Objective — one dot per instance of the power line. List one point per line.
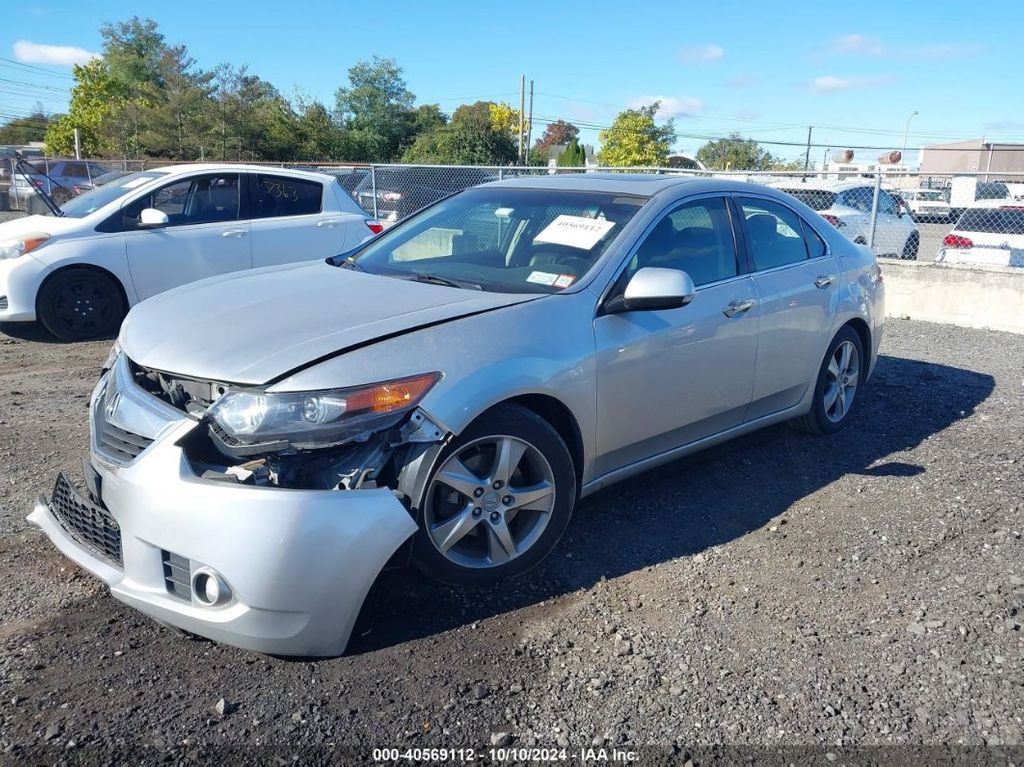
(22, 64)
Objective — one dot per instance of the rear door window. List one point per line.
(775, 233)
(277, 196)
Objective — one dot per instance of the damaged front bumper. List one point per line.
(292, 566)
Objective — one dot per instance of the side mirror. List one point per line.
(151, 217)
(653, 288)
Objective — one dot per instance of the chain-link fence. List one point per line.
(957, 218)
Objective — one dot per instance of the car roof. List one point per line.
(641, 184)
(209, 167)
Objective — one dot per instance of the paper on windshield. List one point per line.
(575, 231)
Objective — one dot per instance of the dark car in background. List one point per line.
(403, 191)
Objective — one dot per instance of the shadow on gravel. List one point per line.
(698, 502)
(29, 331)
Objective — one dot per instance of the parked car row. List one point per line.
(264, 443)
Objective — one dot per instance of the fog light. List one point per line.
(208, 588)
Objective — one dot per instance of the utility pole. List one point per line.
(522, 116)
(78, 145)
(807, 157)
(529, 127)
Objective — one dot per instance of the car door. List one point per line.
(205, 233)
(795, 278)
(669, 377)
(292, 220)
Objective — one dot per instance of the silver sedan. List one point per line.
(264, 444)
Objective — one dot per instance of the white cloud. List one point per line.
(54, 55)
(858, 45)
(702, 53)
(671, 106)
(832, 84)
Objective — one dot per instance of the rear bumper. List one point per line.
(298, 563)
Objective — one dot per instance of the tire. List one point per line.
(911, 246)
(80, 303)
(462, 524)
(826, 418)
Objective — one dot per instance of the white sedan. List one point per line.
(78, 273)
(848, 205)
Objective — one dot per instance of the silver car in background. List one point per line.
(263, 444)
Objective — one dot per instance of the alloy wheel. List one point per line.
(489, 502)
(841, 385)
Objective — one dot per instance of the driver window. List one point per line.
(696, 238)
(202, 200)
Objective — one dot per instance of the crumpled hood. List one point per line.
(254, 327)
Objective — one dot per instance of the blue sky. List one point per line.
(767, 69)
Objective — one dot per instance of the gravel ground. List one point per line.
(783, 590)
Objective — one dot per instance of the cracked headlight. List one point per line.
(22, 245)
(253, 421)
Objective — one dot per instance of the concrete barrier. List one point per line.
(973, 296)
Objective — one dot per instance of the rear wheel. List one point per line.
(839, 380)
(79, 303)
(498, 500)
(910, 249)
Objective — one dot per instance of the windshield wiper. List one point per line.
(433, 279)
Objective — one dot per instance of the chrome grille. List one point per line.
(118, 443)
(177, 575)
(3, 303)
(88, 523)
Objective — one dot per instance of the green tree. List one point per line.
(573, 156)
(178, 117)
(22, 130)
(320, 137)
(133, 51)
(634, 139)
(735, 153)
(375, 109)
(469, 139)
(95, 99)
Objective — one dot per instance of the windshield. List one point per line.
(503, 240)
(93, 200)
(815, 199)
(991, 190)
(930, 196)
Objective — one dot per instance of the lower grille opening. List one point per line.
(88, 523)
(177, 575)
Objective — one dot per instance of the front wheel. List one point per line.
(79, 303)
(498, 499)
(838, 384)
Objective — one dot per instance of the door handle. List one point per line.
(233, 233)
(329, 223)
(739, 307)
(824, 280)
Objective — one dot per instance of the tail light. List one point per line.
(834, 220)
(957, 241)
(375, 226)
(391, 196)
(37, 182)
